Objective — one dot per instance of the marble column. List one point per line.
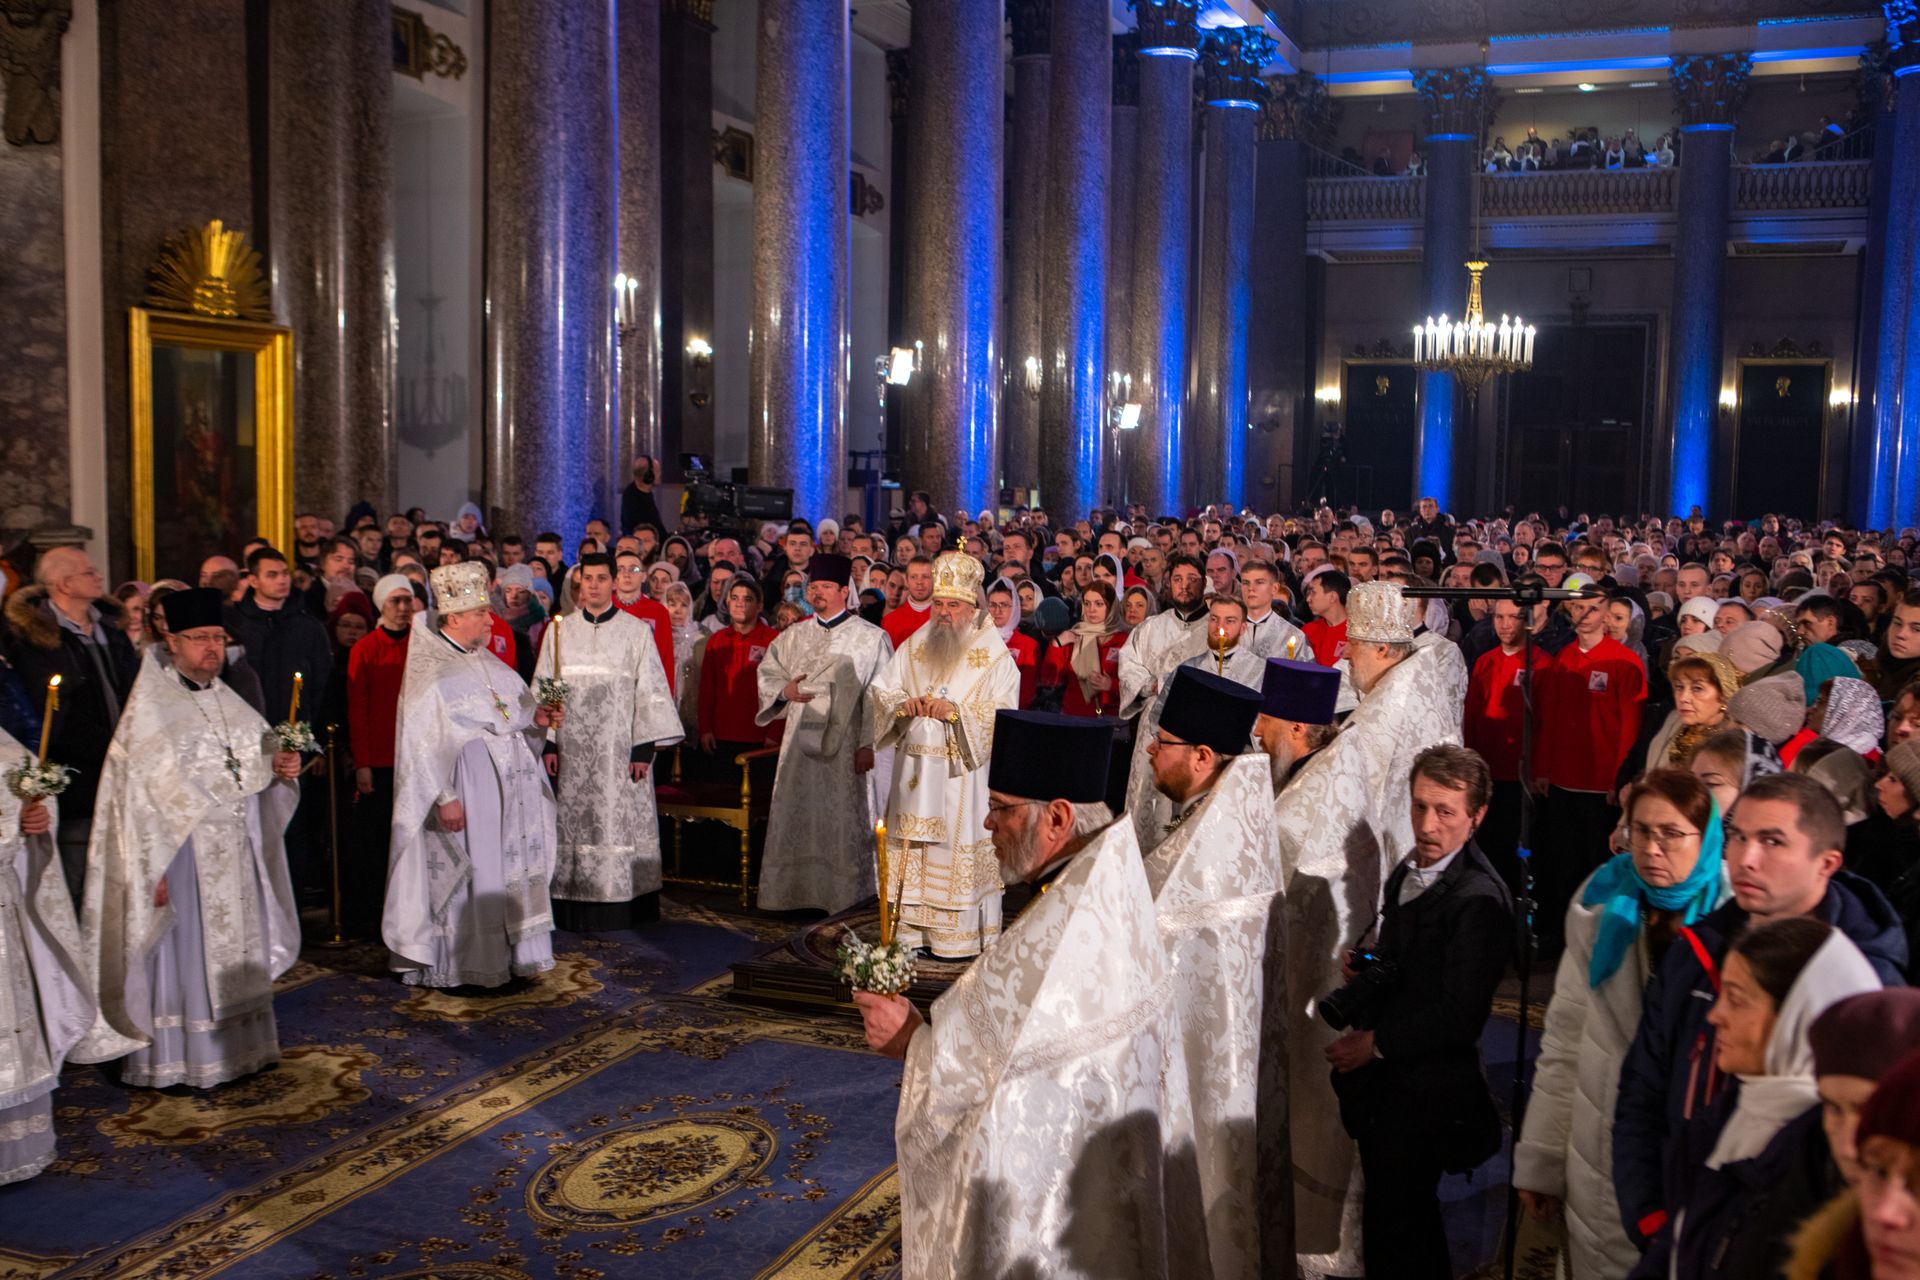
(797, 342)
(1026, 200)
(1230, 62)
(900, 148)
(1457, 104)
(952, 406)
(1120, 217)
(1708, 88)
(1868, 474)
(1887, 426)
(686, 224)
(1298, 111)
(637, 85)
(329, 243)
(1073, 320)
(1162, 247)
(552, 166)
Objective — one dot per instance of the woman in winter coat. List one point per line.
(1617, 928)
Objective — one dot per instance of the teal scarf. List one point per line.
(1617, 885)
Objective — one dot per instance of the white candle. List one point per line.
(1416, 343)
(1528, 358)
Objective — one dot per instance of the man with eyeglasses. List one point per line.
(630, 596)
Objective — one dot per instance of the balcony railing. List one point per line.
(1366, 199)
(1560, 192)
(1803, 184)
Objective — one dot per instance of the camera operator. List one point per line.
(1407, 1070)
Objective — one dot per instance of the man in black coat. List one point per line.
(68, 626)
(637, 504)
(1412, 1090)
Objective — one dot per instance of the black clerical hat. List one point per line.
(1209, 710)
(193, 608)
(1038, 755)
(1303, 692)
(828, 567)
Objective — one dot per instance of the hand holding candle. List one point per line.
(46, 719)
(34, 780)
(293, 712)
(880, 842)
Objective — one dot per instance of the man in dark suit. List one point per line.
(1412, 1090)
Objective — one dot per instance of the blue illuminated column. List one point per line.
(1026, 185)
(1457, 103)
(1073, 306)
(1230, 61)
(1708, 89)
(1162, 244)
(1120, 214)
(1886, 472)
(951, 425)
(797, 343)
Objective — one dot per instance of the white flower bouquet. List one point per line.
(38, 779)
(552, 691)
(295, 735)
(884, 968)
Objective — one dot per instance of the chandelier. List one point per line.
(1473, 349)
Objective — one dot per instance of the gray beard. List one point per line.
(943, 648)
(1281, 764)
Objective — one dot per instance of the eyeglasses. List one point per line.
(994, 806)
(1665, 837)
(1162, 741)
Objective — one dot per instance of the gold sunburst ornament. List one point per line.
(210, 271)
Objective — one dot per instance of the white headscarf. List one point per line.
(1013, 623)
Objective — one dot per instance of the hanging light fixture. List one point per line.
(1473, 349)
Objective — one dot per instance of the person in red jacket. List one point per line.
(901, 623)
(1004, 607)
(1325, 592)
(1086, 658)
(729, 679)
(630, 596)
(1589, 707)
(1491, 725)
(375, 668)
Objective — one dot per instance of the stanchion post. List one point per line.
(333, 833)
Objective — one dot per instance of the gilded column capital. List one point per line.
(30, 32)
(1297, 108)
(899, 81)
(1231, 59)
(1903, 34)
(1126, 69)
(1457, 101)
(698, 10)
(1708, 88)
(1873, 80)
(1032, 27)
(1167, 24)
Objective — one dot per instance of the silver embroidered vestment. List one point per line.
(1151, 811)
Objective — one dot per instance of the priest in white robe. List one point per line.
(1343, 823)
(1225, 631)
(1162, 641)
(620, 711)
(1215, 882)
(189, 914)
(1043, 1126)
(1270, 633)
(46, 1000)
(1297, 715)
(472, 847)
(820, 850)
(935, 703)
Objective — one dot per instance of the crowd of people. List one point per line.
(1677, 765)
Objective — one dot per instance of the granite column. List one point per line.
(686, 223)
(1709, 88)
(1073, 322)
(1162, 245)
(797, 340)
(329, 243)
(1121, 158)
(955, 115)
(900, 152)
(1230, 61)
(1887, 427)
(637, 40)
(1457, 105)
(1026, 212)
(552, 165)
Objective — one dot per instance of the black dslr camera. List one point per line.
(1356, 1003)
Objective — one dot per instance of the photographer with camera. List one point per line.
(1407, 1070)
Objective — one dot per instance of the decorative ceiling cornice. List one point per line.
(1708, 88)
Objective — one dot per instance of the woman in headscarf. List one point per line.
(1729, 760)
(1003, 606)
(1627, 624)
(688, 645)
(1846, 710)
(466, 526)
(1703, 685)
(351, 618)
(1618, 927)
(1137, 607)
(1740, 1175)
(1819, 663)
(1108, 569)
(1085, 659)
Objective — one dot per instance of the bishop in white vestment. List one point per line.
(606, 872)
(1343, 823)
(188, 913)
(1043, 1126)
(473, 818)
(820, 850)
(935, 703)
(1216, 885)
(46, 1000)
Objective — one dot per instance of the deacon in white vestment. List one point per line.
(46, 1000)
(934, 703)
(1270, 633)
(1343, 823)
(1226, 619)
(820, 850)
(1215, 882)
(188, 913)
(1043, 1126)
(1160, 643)
(606, 872)
(473, 818)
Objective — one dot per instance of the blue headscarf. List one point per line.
(1819, 663)
(1617, 885)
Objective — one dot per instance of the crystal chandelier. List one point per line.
(1473, 349)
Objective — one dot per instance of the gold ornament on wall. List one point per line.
(1782, 385)
(210, 271)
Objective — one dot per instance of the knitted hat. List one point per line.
(1903, 762)
(1698, 642)
(1701, 609)
(1752, 645)
(1865, 1035)
(1722, 671)
(1894, 1109)
(398, 582)
(1774, 707)
(1377, 614)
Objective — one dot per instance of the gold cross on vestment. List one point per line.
(977, 658)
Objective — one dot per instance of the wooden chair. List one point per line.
(738, 805)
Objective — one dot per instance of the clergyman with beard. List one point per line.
(1296, 715)
(934, 702)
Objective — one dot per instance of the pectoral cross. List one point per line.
(233, 765)
(500, 705)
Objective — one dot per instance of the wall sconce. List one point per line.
(1032, 383)
(1128, 417)
(1327, 395)
(1729, 399)
(1840, 397)
(626, 305)
(700, 352)
(902, 363)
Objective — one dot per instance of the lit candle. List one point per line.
(293, 712)
(1417, 334)
(556, 646)
(1528, 358)
(886, 920)
(46, 720)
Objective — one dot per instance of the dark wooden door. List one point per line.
(1575, 420)
(1783, 406)
(1381, 428)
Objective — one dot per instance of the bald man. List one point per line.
(222, 573)
(67, 625)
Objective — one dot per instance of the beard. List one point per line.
(947, 641)
(1019, 856)
(1280, 761)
